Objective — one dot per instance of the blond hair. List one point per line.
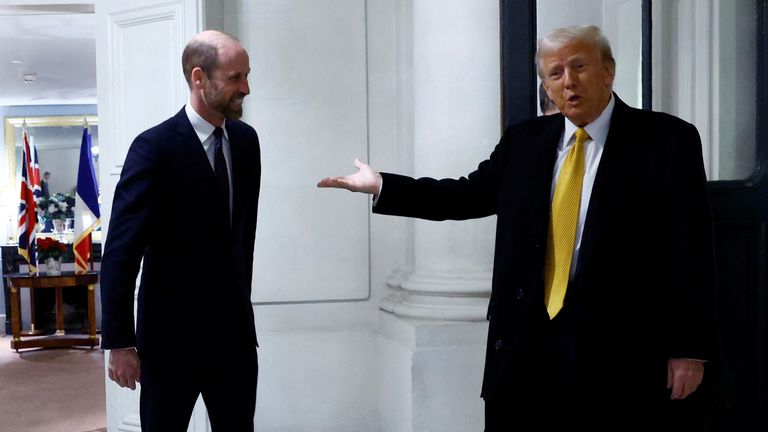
(558, 38)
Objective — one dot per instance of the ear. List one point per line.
(608, 76)
(545, 84)
(196, 77)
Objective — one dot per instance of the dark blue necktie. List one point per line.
(220, 167)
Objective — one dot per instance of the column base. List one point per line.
(437, 308)
(437, 296)
(430, 374)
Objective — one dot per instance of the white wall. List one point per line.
(309, 104)
(316, 380)
(322, 94)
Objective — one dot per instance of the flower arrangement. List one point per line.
(50, 248)
(58, 206)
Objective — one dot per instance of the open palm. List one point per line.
(366, 180)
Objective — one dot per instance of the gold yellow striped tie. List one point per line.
(562, 225)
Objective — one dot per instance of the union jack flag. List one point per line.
(30, 194)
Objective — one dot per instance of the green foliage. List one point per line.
(58, 206)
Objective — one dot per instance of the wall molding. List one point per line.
(119, 24)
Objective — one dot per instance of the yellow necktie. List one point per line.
(562, 225)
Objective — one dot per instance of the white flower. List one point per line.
(52, 208)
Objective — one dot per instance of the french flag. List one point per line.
(87, 214)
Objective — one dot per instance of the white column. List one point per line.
(448, 101)
(452, 112)
(430, 375)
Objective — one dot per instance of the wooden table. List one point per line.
(16, 281)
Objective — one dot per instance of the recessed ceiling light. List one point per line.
(15, 61)
(29, 78)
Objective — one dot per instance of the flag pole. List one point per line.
(90, 236)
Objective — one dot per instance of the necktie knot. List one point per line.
(581, 136)
(217, 134)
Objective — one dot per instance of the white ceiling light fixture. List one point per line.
(29, 78)
(46, 9)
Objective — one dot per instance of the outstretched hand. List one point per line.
(366, 180)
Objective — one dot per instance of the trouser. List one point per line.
(171, 384)
(562, 392)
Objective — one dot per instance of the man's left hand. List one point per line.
(684, 376)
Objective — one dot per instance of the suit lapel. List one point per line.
(201, 177)
(237, 158)
(191, 146)
(544, 165)
(606, 190)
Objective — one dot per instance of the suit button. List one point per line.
(520, 294)
(499, 344)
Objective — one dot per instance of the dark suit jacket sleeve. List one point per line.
(132, 208)
(252, 211)
(473, 196)
(691, 318)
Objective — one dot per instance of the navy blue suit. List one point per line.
(643, 287)
(194, 300)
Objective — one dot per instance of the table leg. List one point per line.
(32, 331)
(31, 311)
(59, 312)
(92, 314)
(15, 315)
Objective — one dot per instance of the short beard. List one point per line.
(215, 101)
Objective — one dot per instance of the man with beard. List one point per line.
(196, 242)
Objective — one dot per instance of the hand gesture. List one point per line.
(366, 180)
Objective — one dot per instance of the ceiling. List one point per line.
(54, 42)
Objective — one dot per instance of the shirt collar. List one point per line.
(597, 130)
(202, 128)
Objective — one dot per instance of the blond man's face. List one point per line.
(577, 81)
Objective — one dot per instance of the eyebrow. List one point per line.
(235, 73)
